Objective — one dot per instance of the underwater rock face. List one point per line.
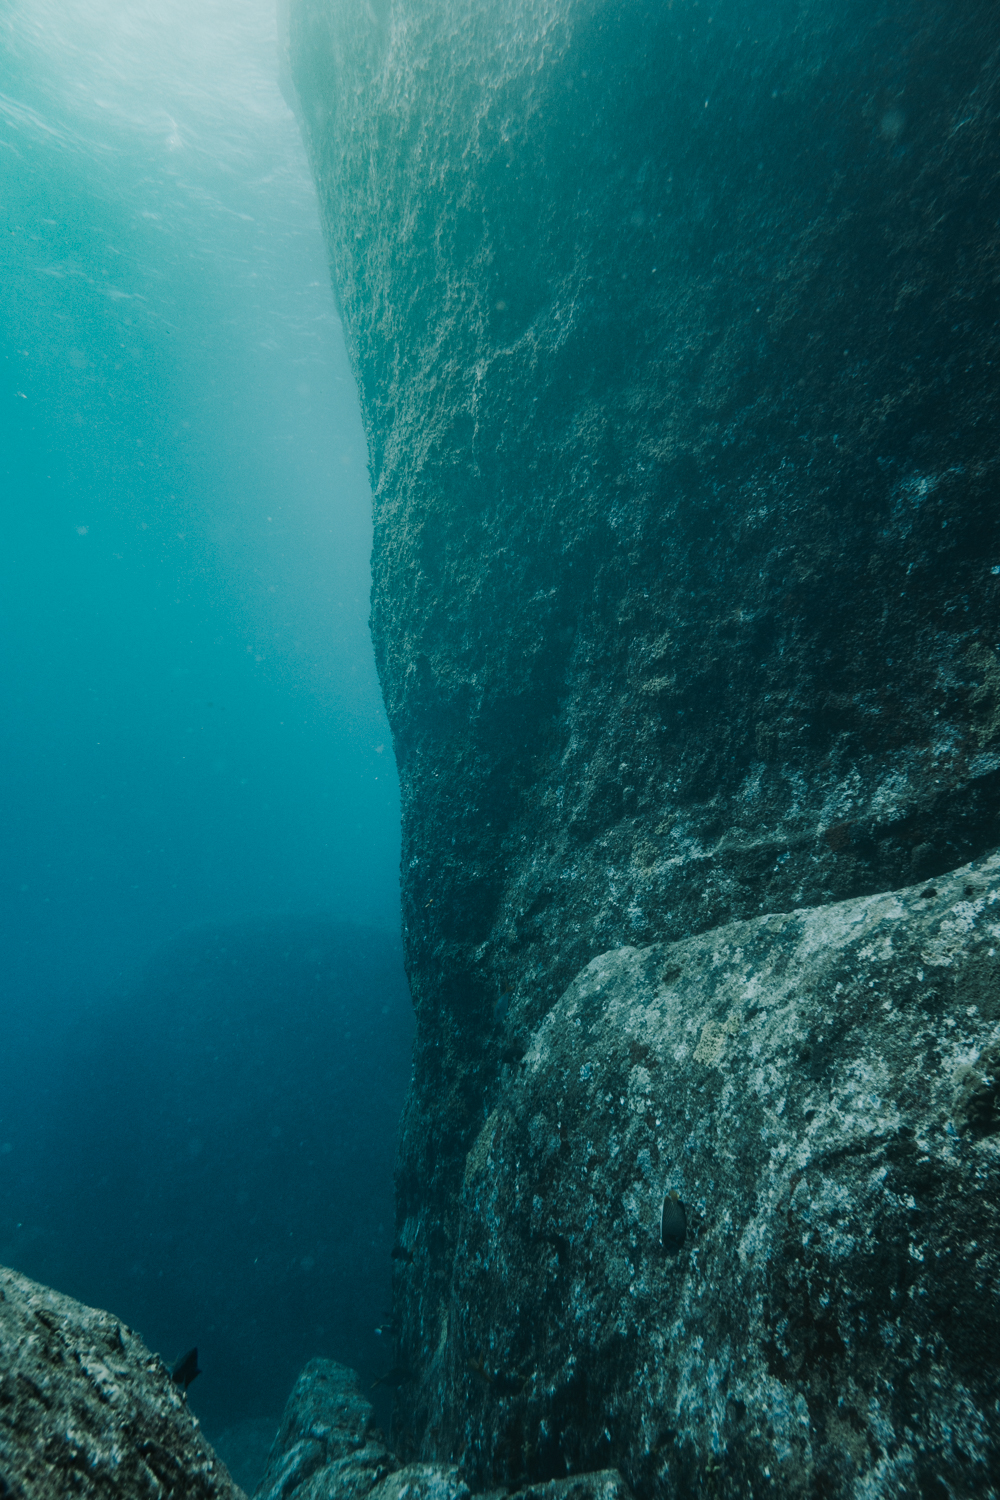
(821, 1090)
(330, 1449)
(676, 332)
(86, 1410)
(328, 1441)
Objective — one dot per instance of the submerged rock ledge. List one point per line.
(86, 1410)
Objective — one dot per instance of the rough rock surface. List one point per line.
(821, 1090)
(329, 1448)
(328, 1442)
(86, 1410)
(676, 331)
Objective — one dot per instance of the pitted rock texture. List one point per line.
(602, 1484)
(328, 1443)
(676, 333)
(86, 1410)
(820, 1091)
(329, 1448)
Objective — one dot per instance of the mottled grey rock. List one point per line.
(329, 1449)
(423, 1482)
(821, 1091)
(86, 1410)
(328, 1443)
(605, 1484)
(677, 334)
(328, 1427)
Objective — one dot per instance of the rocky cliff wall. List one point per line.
(675, 327)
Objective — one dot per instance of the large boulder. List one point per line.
(86, 1410)
(737, 1213)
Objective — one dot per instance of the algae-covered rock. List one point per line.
(814, 1097)
(86, 1410)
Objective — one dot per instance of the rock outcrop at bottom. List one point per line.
(733, 1224)
(328, 1448)
(87, 1411)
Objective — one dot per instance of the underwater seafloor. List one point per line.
(676, 334)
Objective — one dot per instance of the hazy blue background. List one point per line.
(191, 735)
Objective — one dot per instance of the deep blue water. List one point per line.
(198, 790)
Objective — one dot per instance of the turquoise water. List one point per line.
(193, 738)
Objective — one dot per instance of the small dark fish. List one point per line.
(186, 1369)
(400, 1252)
(673, 1223)
(393, 1378)
(387, 1325)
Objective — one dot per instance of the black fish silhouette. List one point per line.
(186, 1369)
(673, 1223)
(400, 1252)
